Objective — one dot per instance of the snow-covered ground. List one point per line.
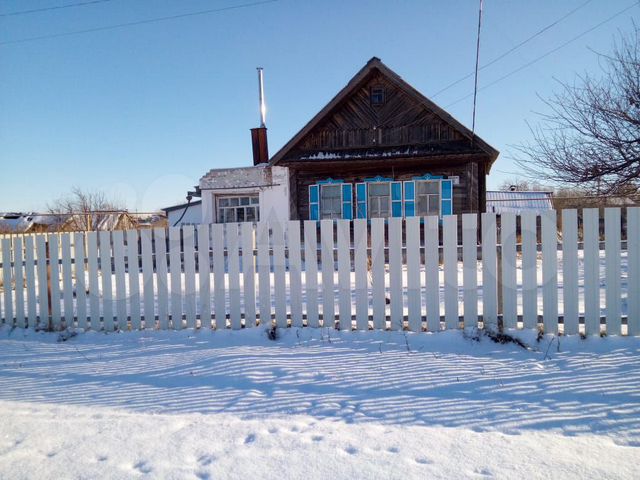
(317, 403)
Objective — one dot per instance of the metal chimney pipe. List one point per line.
(263, 108)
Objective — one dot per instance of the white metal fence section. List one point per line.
(417, 274)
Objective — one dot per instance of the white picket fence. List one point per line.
(413, 274)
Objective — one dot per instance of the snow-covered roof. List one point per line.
(517, 202)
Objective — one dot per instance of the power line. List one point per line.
(514, 48)
(46, 9)
(537, 59)
(138, 22)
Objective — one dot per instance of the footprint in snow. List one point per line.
(423, 461)
(317, 438)
(393, 449)
(351, 450)
(102, 458)
(203, 475)
(250, 438)
(273, 430)
(142, 467)
(205, 460)
(52, 454)
(483, 472)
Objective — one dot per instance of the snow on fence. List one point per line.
(415, 273)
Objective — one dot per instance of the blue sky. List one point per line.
(143, 112)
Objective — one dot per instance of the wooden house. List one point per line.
(380, 148)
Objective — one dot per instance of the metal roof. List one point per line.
(516, 202)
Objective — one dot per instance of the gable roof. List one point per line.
(360, 77)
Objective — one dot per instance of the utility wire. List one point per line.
(513, 49)
(544, 55)
(475, 83)
(138, 22)
(46, 9)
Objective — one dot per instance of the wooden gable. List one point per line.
(405, 124)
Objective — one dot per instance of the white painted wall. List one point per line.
(193, 216)
(271, 184)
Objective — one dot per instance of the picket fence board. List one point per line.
(175, 268)
(134, 279)
(311, 272)
(94, 280)
(248, 275)
(147, 278)
(529, 270)
(414, 307)
(450, 255)
(54, 261)
(295, 270)
(377, 273)
(591, 229)
(162, 278)
(328, 266)
(121, 292)
(343, 234)
(264, 285)
(489, 271)
(219, 289)
(361, 273)
(470, 269)
(612, 270)
(395, 273)
(279, 275)
(549, 271)
(570, 271)
(233, 257)
(189, 261)
(633, 257)
(432, 281)
(30, 279)
(204, 275)
(67, 282)
(509, 270)
(18, 275)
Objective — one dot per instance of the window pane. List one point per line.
(428, 187)
(233, 201)
(376, 189)
(244, 200)
(223, 202)
(254, 200)
(240, 215)
(434, 205)
(330, 191)
(423, 205)
(251, 215)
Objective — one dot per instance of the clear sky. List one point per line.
(142, 112)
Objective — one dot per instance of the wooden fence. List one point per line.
(415, 274)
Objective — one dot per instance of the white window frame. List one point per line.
(219, 217)
(369, 209)
(416, 195)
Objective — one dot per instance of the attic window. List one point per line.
(377, 96)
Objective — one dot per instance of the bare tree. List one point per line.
(591, 137)
(82, 210)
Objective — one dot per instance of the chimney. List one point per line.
(259, 135)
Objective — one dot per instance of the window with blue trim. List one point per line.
(330, 199)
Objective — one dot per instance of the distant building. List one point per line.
(184, 214)
(518, 202)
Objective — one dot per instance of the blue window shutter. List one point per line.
(447, 197)
(314, 202)
(347, 201)
(361, 200)
(409, 199)
(396, 199)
